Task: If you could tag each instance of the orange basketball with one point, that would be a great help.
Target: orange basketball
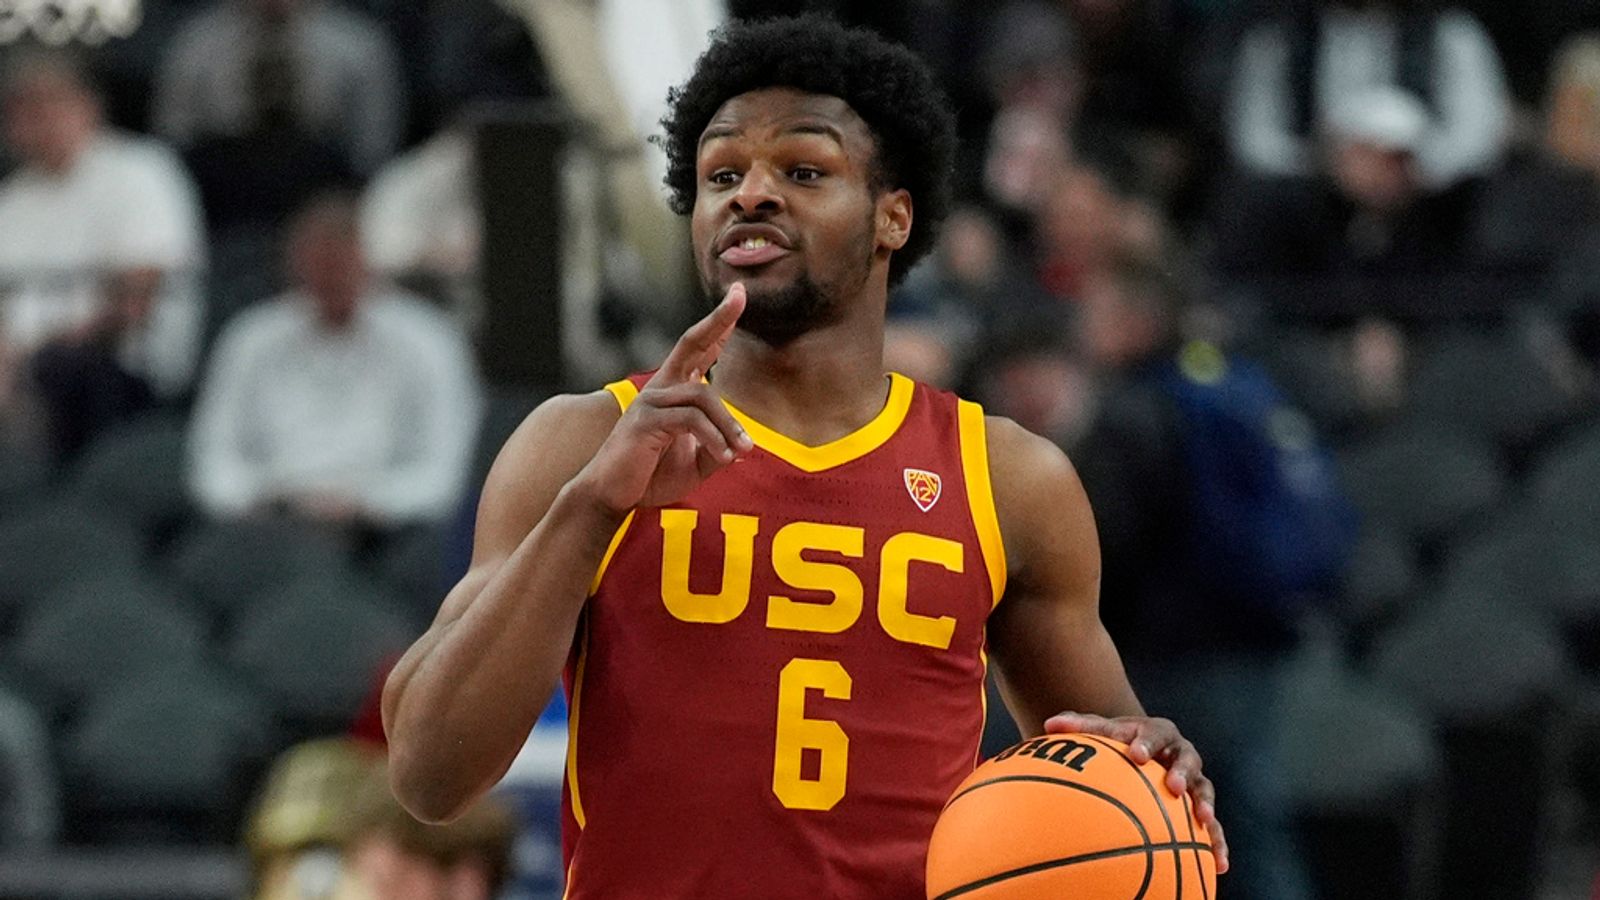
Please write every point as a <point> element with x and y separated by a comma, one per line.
<point>1069,817</point>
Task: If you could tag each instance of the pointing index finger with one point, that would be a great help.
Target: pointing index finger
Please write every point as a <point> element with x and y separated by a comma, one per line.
<point>700,346</point>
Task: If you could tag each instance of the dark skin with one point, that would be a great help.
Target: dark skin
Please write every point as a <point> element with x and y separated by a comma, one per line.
<point>796,169</point>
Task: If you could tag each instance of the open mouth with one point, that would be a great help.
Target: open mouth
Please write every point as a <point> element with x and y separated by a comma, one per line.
<point>753,251</point>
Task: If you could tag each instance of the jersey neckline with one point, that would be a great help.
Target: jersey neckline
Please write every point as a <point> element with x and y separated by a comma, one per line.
<point>839,451</point>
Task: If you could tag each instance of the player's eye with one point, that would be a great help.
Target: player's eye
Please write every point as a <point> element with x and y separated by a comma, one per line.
<point>805,173</point>
<point>723,176</point>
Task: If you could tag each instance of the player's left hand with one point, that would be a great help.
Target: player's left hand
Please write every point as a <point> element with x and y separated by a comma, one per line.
<point>1158,739</point>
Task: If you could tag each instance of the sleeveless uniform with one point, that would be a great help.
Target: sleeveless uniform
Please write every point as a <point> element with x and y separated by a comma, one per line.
<point>778,681</point>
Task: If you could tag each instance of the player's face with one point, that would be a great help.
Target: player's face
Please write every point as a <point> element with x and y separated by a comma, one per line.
<point>785,204</point>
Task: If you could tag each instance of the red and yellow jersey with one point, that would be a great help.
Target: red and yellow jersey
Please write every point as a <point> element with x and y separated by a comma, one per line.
<point>778,681</point>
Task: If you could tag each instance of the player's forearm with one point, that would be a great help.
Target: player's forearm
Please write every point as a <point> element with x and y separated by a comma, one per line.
<point>461,702</point>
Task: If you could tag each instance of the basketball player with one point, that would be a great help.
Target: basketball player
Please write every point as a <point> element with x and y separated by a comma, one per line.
<point>771,571</point>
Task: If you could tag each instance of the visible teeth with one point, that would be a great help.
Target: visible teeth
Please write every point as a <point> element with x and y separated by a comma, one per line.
<point>753,243</point>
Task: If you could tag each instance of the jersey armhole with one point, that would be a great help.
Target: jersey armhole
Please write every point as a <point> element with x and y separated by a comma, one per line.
<point>980,494</point>
<point>623,392</point>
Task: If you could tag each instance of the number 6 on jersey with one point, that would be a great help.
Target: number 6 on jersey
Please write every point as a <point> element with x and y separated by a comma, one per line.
<point>796,734</point>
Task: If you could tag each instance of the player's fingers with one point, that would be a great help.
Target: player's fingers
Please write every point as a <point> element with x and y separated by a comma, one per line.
<point>700,346</point>
<point>702,397</point>
<point>690,420</point>
<point>1122,730</point>
<point>1219,844</point>
<point>1183,766</point>
<point>1156,739</point>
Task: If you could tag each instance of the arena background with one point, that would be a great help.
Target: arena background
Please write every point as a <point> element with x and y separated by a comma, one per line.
<point>187,667</point>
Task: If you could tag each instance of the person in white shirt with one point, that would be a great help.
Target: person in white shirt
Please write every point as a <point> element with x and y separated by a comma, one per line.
<point>100,257</point>
<point>1293,75</point>
<point>312,66</point>
<point>343,400</point>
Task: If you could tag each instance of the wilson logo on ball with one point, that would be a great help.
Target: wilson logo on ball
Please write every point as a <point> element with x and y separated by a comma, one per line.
<point>923,486</point>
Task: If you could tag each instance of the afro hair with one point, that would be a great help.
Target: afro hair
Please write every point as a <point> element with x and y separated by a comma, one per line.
<point>887,85</point>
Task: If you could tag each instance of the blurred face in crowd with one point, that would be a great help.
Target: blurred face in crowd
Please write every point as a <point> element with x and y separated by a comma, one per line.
<point>1027,146</point>
<point>384,870</point>
<point>1116,328</point>
<point>327,262</point>
<point>787,204</point>
<point>50,116</point>
<point>970,249</point>
<point>1084,217</point>
<point>1379,179</point>
<point>1048,393</point>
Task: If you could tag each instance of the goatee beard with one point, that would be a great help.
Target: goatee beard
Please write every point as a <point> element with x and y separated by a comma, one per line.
<point>779,316</point>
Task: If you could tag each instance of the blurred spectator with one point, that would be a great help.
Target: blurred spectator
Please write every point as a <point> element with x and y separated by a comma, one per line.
<point>421,223</point>
<point>304,67</point>
<point>303,816</point>
<point>1209,496</point>
<point>392,856</point>
<point>1086,223</point>
<point>934,319</point>
<point>1573,105</point>
<point>1032,375</point>
<point>343,400</point>
<point>1369,211</point>
<point>100,259</point>
<point>1294,75</point>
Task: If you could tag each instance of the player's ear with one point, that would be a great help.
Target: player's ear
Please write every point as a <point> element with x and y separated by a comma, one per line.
<point>894,219</point>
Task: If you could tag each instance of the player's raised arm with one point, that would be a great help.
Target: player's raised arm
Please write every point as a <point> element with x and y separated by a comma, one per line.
<point>460,703</point>
<point>1058,668</point>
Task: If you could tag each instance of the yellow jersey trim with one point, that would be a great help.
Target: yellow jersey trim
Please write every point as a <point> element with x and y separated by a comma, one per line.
<point>852,446</point>
<point>623,391</point>
<point>611,550</point>
<point>983,701</point>
<point>980,494</point>
<point>572,728</point>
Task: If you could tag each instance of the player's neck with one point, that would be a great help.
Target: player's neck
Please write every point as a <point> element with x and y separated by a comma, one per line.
<point>816,388</point>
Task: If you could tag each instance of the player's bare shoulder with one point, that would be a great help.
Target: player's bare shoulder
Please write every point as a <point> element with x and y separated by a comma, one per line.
<point>1044,514</point>
<point>553,443</point>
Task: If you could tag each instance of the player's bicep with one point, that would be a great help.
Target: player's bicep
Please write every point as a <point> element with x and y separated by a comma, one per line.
<point>551,446</point>
<point>1050,649</point>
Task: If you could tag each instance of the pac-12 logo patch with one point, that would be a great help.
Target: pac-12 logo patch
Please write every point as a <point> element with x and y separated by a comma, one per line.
<point>923,486</point>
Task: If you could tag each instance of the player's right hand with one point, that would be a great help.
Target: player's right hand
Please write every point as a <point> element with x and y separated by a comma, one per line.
<point>677,432</point>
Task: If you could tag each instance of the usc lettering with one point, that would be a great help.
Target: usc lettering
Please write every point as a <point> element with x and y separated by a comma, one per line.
<point>847,595</point>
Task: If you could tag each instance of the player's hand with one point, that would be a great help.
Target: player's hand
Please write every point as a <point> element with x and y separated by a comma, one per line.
<point>1157,739</point>
<point>677,432</point>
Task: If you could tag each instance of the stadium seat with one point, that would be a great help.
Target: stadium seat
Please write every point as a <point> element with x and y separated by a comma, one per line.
<point>1563,480</point>
<point>313,648</point>
<point>1314,370</point>
<point>137,472</point>
<point>166,757</point>
<point>227,565</point>
<point>1492,383</point>
<point>1362,772</point>
<point>1489,675</point>
<point>1538,564</point>
<point>30,795</point>
<point>93,633</point>
<point>24,477</point>
<point>413,564</point>
<point>49,543</point>
<point>1381,574</point>
<point>1422,482</point>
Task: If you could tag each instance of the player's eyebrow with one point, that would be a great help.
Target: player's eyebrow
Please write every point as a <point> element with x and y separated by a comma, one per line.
<point>716,132</point>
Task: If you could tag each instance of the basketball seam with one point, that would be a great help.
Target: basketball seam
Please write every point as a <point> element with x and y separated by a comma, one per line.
<point>1199,867</point>
<point>1172,833</point>
<point>1149,857</point>
<point>1095,856</point>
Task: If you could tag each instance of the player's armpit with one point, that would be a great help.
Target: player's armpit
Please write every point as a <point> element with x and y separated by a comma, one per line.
<point>1050,649</point>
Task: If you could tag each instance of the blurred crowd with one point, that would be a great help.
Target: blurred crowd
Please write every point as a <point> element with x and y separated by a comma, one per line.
<point>243,411</point>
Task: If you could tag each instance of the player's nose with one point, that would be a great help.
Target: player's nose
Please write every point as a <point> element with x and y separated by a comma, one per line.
<point>758,193</point>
